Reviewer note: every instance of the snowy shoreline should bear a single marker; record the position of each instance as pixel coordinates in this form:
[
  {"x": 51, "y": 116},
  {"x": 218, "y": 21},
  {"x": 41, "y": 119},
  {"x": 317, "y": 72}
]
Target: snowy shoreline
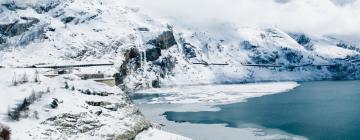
[{"x": 153, "y": 109}]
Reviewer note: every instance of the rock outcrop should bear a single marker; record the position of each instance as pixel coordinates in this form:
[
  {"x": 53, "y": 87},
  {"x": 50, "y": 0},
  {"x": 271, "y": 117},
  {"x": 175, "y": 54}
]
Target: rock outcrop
[
  {"x": 18, "y": 27},
  {"x": 164, "y": 40}
]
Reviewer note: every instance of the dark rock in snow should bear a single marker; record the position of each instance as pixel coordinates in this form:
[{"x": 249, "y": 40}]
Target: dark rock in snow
[
  {"x": 99, "y": 112},
  {"x": 89, "y": 92},
  {"x": 133, "y": 53},
  {"x": 343, "y": 70},
  {"x": 348, "y": 46},
  {"x": 155, "y": 84},
  {"x": 153, "y": 54},
  {"x": 2, "y": 40},
  {"x": 32, "y": 35},
  {"x": 90, "y": 18},
  {"x": 292, "y": 56},
  {"x": 17, "y": 28},
  {"x": 51, "y": 29},
  {"x": 13, "y": 6},
  {"x": 106, "y": 105},
  {"x": 55, "y": 103},
  {"x": 132, "y": 62},
  {"x": 260, "y": 57},
  {"x": 51, "y": 4},
  {"x": 67, "y": 19},
  {"x": 166, "y": 64},
  {"x": 119, "y": 78},
  {"x": 302, "y": 40},
  {"x": 143, "y": 29},
  {"x": 164, "y": 40},
  {"x": 247, "y": 45},
  {"x": 189, "y": 50}
]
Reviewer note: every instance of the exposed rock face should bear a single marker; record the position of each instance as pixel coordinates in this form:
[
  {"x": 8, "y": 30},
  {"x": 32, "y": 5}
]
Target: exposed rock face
[
  {"x": 155, "y": 84},
  {"x": 89, "y": 92},
  {"x": 166, "y": 64},
  {"x": 292, "y": 56},
  {"x": 348, "y": 46},
  {"x": 164, "y": 40},
  {"x": 248, "y": 46},
  {"x": 51, "y": 4},
  {"x": 153, "y": 54},
  {"x": 106, "y": 105},
  {"x": 302, "y": 40},
  {"x": 132, "y": 62},
  {"x": 69, "y": 125},
  {"x": 134, "y": 66},
  {"x": 55, "y": 103},
  {"x": 17, "y": 28},
  {"x": 12, "y": 6},
  {"x": 189, "y": 50},
  {"x": 73, "y": 124},
  {"x": 143, "y": 29},
  {"x": 260, "y": 57},
  {"x": 2, "y": 40},
  {"x": 342, "y": 69},
  {"x": 67, "y": 19}
]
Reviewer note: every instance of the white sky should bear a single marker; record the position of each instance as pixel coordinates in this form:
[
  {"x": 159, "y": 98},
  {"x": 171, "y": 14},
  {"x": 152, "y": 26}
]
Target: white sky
[{"x": 340, "y": 17}]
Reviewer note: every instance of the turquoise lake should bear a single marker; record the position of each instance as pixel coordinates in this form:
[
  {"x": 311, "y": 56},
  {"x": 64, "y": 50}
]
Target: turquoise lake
[{"x": 322, "y": 110}]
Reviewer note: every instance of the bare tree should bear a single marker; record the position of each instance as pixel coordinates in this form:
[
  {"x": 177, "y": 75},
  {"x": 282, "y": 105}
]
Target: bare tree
[
  {"x": 14, "y": 81},
  {"x": 37, "y": 78}
]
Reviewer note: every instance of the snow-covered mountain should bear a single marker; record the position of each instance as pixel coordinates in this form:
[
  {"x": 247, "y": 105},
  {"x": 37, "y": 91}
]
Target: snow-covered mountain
[
  {"x": 108, "y": 31},
  {"x": 150, "y": 52}
]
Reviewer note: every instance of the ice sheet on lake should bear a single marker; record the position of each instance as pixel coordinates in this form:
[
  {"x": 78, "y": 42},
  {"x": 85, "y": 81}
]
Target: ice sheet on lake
[
  {"x": 216, "y": 94},
  {"x": 208, "y": 131}
]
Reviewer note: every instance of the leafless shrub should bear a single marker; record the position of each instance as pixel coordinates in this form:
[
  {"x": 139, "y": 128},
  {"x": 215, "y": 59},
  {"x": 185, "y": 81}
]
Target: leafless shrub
[
  {"x": 48, "y": 90},
  {"x": 24, "y": 78},
  {"x": 36, "y": 115},
  {"x": 5, "y": 132},
  {"x": 66, "y": 85},
  {"x": 22, "y": 110}
]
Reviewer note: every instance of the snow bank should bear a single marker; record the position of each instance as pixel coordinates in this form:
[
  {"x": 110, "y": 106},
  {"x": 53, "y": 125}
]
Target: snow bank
[{"x": 156, "y": 134}]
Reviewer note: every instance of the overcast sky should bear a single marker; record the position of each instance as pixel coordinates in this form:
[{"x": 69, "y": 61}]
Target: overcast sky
[{"x": 311, "y": 16}]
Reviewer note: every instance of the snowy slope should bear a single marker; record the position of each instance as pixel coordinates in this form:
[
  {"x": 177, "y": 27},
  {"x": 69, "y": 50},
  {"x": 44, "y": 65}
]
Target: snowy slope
[{"x": 78, "y": 115}]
